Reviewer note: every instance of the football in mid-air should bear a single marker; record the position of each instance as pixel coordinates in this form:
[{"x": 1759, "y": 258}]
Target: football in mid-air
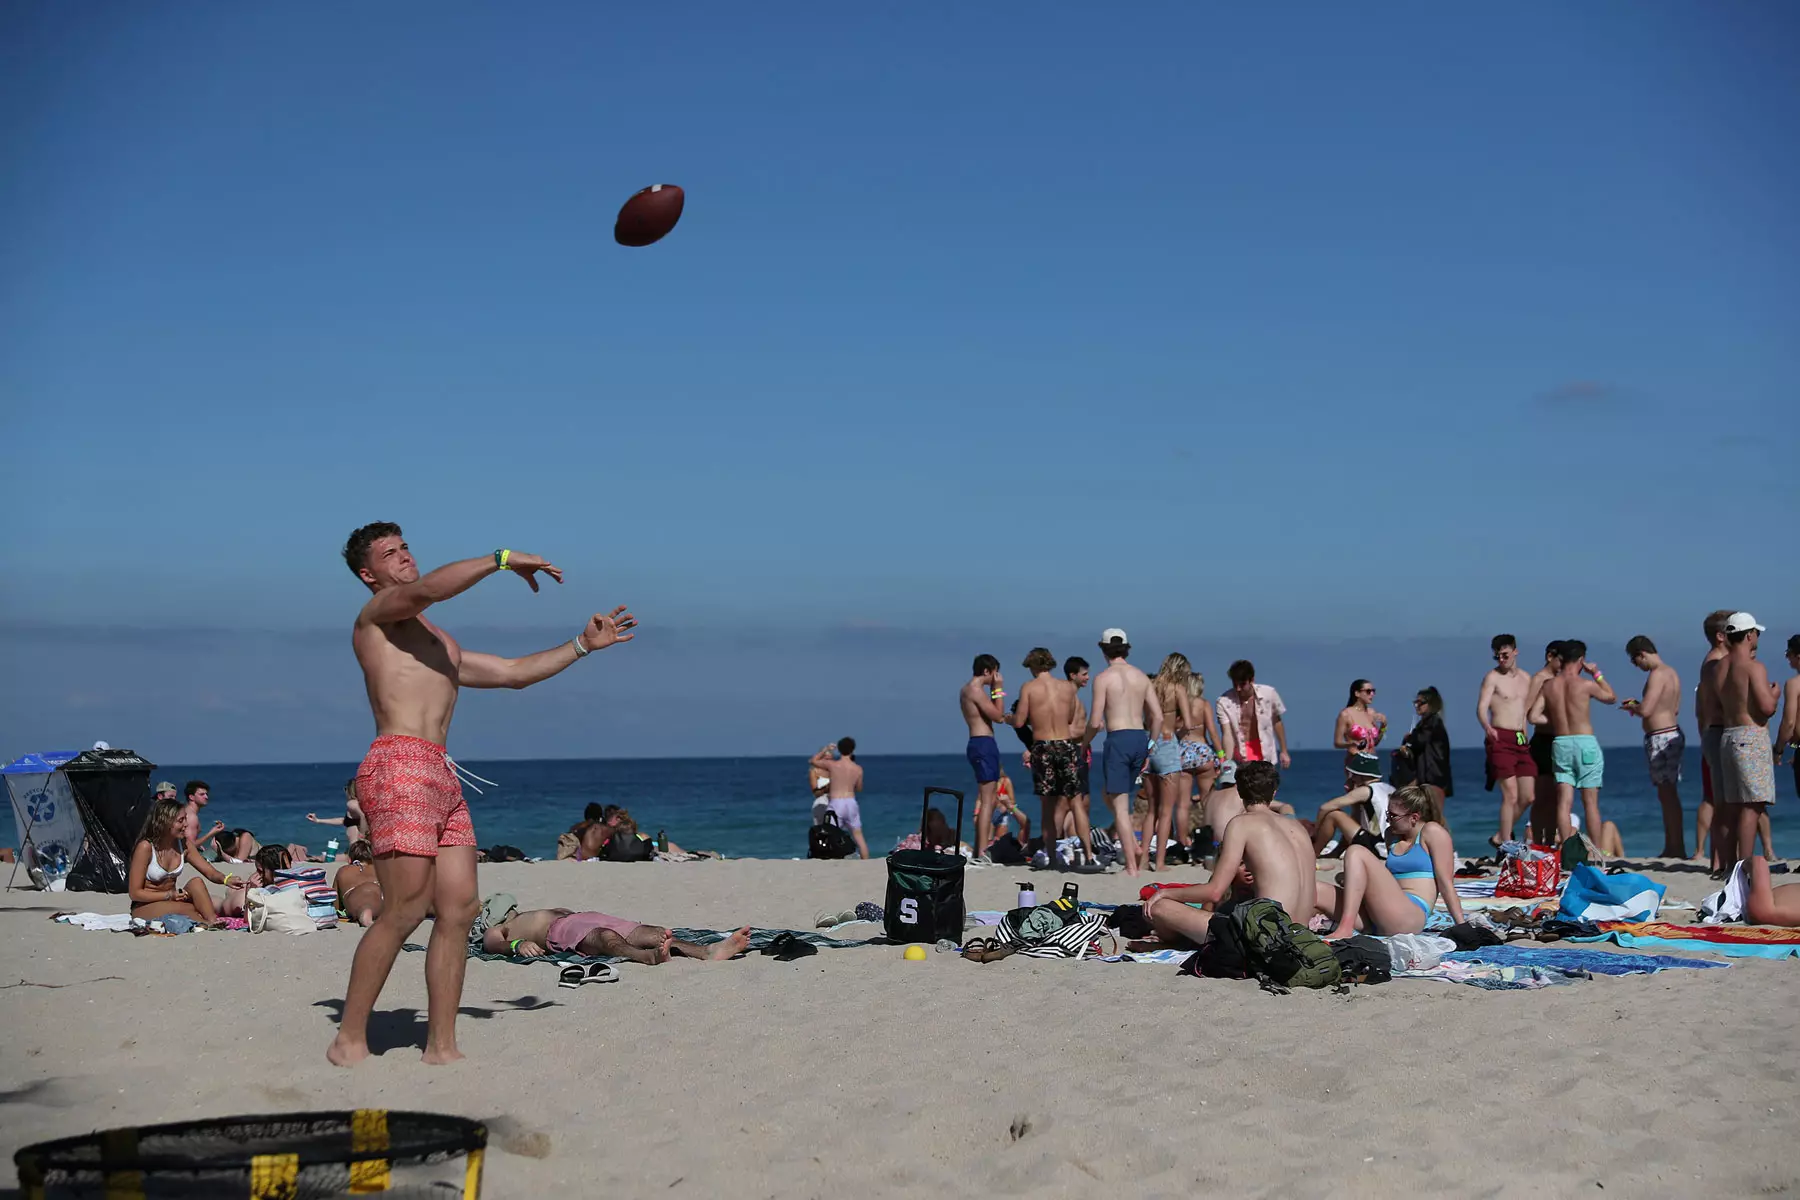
[{"x": 648, "y": 215}]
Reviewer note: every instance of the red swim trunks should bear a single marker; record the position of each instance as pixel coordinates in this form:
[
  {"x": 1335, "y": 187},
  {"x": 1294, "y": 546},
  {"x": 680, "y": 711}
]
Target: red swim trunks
[
  {"x": 413, "y": 800},
  {"x": 1509, "y": 755},
  {"x": 1251, "y": 751}
]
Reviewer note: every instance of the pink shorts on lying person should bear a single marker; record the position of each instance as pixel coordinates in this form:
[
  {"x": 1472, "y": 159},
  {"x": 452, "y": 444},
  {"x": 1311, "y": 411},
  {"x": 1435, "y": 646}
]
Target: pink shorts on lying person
[{"x": 565, "y": 933}]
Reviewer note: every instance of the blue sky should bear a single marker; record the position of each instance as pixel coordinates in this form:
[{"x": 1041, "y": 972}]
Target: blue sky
[{"x": 1338, "y": 326}]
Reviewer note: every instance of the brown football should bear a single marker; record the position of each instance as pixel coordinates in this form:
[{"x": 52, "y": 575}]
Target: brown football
[{"x": 648, "y": 215}]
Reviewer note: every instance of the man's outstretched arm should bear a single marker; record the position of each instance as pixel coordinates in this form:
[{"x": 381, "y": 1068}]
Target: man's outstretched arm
[
  {"x": 452, "y": 579},
  {"x": 492, "y": 671}
]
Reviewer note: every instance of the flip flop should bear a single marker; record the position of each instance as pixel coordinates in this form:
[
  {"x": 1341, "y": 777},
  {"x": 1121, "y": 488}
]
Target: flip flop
[
  {"x": 786, "y": 948},
  {"x": 976, "y": 949},
  {"x": 571, "y": 977},
  {"x": 600, "y": 973}
]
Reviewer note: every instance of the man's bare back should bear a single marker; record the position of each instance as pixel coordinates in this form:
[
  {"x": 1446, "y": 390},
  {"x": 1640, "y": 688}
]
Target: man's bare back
[
  {"x": 1503, "y": 694},
  {"x": 1746, "y": 697},
  {"x": 1120, "y": 695},
  {"x": 1566, "y": 695},
  {"x": 846, "y": 778},
  {"x": 1261, "y": 841},
  {"x": 1048, "y": 705}
]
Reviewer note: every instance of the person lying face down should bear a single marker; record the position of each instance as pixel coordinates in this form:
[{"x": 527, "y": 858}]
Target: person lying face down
[
  {"x": 1273, "y": 851},
  {"x": 536, "y": 931}
]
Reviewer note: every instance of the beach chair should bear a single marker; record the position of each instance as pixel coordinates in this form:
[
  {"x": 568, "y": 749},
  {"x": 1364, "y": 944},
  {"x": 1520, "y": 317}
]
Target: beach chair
[{"x": 925, "y": 887}]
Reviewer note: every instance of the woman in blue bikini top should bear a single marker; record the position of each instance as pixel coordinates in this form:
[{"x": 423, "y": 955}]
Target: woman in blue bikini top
[{"x": 1398, "y": 896}]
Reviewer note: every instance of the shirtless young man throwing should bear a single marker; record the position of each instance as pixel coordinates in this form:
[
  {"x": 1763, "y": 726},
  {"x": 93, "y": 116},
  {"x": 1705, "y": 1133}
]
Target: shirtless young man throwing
[
  {"x": 1745, "y": 782},
  {"x": 1575, "y": 753},
  {"x": 1274, "y": 849},
  {"x": 1660, "y": 712},
  {"x": 1049, "y": 705},
  {"x": 1501, "y": 710},
  {"x": 418, "y": 824},
  {"x": 1124, "y": 702}
]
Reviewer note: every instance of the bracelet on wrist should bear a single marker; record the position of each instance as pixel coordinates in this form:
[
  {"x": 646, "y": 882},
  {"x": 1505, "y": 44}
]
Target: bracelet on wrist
[
  {"x": 581, "y": 651},
  {"x": 501, "y": 558}
]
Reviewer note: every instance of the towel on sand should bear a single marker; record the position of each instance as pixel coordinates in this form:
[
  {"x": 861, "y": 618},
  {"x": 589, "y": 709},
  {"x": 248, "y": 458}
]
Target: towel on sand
[
  {"x": 1591, "y": 962},
  {"x": 1735, "y": 941},
  {"x": 700, "y": 937}
]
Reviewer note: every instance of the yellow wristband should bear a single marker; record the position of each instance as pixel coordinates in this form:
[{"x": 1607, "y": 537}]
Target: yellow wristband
[{"x": 501, "y": 557}]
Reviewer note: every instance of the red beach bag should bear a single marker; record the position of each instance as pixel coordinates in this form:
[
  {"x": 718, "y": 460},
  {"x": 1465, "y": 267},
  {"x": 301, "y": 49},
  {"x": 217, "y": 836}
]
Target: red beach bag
[{"x": 1537, "y": 873}]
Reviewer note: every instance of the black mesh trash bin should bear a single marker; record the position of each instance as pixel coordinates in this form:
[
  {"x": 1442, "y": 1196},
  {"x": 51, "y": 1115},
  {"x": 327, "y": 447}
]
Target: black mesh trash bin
[
  {"x": 925, "y": 887},
  {"x": 287, "y": 1156}
]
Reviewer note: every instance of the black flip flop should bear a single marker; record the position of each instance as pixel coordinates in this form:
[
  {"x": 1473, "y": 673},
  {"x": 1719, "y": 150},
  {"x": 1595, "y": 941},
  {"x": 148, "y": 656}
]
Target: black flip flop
[{"x": 786, "y": 948}]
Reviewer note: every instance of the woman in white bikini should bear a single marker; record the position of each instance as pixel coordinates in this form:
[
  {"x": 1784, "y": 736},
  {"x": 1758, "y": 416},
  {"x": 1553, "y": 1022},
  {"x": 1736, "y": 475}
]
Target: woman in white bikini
[{"x": 156, "y": 863}]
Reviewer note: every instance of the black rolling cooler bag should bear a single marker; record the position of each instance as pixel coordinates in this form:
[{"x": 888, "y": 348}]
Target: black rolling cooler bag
[{"x": 925, "y": 887}]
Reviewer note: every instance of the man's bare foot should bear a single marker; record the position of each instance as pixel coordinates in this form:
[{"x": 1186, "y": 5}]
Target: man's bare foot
[
  {"x": 344, "y": 1053},
  {"x": 731, "y": 947},
  {"x": 434, "y": 1057},
  {"x": 665, "y": 949},
  {"x": 1337, "y": 935}
]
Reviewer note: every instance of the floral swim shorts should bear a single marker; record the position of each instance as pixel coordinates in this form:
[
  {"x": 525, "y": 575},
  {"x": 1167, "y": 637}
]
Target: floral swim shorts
[{"x": 411, "y": 797}]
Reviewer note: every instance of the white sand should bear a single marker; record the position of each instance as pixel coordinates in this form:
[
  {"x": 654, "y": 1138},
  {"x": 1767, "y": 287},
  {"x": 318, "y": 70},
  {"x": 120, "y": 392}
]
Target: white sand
[{"x": 856, "y": 1073}]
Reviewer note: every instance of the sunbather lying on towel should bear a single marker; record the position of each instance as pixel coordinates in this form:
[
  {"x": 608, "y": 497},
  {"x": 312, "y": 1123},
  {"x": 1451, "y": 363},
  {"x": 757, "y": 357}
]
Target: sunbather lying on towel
[
  {"x": 532, "y": 933},
  {"x": 1768, "y": 905}
]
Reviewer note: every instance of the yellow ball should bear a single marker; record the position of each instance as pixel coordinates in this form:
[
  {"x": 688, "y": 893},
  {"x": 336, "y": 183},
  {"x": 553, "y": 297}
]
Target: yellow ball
[{"x": 915, "y": 954}]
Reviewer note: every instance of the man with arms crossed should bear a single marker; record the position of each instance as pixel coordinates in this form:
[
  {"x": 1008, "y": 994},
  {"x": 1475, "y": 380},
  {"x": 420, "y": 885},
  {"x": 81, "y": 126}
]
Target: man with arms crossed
[
  {"x": 418, "y": 824},
  {"x": 1745, "y": 783},
  {"x": 1660, "y": 711},
  {"x": 1563, "y": 701},
  {"x": 1048, "y": 706},
  {"x": 1124, "y": 703},
  {"x": 1275, "y": 850},
  {"x": 980, "y": 700},
  {"x": 1501, "y": 710}
]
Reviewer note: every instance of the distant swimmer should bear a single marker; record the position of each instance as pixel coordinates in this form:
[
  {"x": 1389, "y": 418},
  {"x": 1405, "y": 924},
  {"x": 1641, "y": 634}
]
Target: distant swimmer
[
  {"x": 1500, "y": 707},
  {"x": 1124, "y": 704},
  {"x": 980, "y": 702},
  {"x": 418, "y": 824},
  {"x": 1660, "y": 713},
  {"x": 1575, "y": 753}
]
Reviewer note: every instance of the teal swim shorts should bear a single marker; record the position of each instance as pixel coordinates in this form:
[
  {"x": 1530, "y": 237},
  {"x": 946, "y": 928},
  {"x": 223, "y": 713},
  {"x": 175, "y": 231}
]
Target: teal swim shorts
[{"x": 1578, "y": 760}]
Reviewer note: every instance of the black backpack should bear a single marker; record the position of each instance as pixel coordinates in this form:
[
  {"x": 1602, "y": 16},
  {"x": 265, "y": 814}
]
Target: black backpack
[
  {"x": 828, "y": 839},
  {"x": 925, "y": 887},
  {"x": 629, "y": 847},
  {"x": 1363, "y": 959}
]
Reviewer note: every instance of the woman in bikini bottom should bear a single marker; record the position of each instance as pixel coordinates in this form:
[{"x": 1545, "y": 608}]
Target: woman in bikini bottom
[{"x": 1398, "y": 896}]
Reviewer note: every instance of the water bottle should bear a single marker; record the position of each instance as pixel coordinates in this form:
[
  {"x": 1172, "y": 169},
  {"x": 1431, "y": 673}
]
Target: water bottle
[
  {"x": 331, "y": 848},
  {"x": 1072, "y": 893},
  {"x": 662, "y": 842},
  {"x": 1027, "y": 896}
]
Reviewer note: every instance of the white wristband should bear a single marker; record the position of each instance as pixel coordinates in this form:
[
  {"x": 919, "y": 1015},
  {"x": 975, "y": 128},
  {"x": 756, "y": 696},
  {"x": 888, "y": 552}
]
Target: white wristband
[{"x": 580, "y": 650}]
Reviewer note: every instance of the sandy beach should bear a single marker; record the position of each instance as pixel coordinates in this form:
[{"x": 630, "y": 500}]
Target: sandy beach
[{"x": 856, "y": 1072}]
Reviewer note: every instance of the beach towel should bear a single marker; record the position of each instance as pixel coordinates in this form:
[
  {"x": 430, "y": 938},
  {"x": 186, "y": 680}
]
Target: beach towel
[
  {"x": 110, "y": 922},
  {"x": 700, "y": 937},
  {"x": 1593, "y": 895},
  {"x": 1581, "y": 962},
  {"x": 1738, "y": 941},
  {"x": 1492, "y": 978}
]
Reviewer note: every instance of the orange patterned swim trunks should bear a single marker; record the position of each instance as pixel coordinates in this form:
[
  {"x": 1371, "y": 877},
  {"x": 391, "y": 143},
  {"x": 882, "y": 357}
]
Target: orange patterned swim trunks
[{"x": 411, "y": 797}]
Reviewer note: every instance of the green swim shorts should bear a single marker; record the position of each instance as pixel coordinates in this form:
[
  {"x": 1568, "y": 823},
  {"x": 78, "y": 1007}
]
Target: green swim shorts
[{"x": 1578, "y": 760}]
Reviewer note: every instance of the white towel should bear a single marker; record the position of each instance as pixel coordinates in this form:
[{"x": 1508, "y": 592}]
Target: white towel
[
  {"x": 112, "y": 923},
  {"x": 1727, "y": 904}
]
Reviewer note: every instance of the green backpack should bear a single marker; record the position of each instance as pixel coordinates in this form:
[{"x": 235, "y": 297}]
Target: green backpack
[{"x": 1282, "y": 950}]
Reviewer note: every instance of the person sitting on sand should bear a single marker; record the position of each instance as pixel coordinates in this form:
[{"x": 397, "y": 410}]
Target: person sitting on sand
[
  {"x": 1271, "y": 850},
  {"x": 266, "y": 867},
  {"x": 1360, "y": 811},
  {"x": 537, "y": 931},
  {"x": 358, "y": 890},
  {"x": 156, "y": 862},
  {"x": 1398, "y": 896}
]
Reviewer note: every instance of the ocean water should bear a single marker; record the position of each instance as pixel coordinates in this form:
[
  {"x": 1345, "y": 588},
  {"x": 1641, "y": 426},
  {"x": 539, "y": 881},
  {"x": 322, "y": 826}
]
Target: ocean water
[{"x": 760, "y": 807}]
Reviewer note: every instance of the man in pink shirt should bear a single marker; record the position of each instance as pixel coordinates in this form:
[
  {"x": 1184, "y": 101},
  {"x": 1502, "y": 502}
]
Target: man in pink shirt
[{"x": 1250, "y": 718}]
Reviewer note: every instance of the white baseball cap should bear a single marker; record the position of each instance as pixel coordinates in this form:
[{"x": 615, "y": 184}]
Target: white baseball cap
[
  {"x": 1117, "y": 635},
  {"x": 1743, "y": 623}
]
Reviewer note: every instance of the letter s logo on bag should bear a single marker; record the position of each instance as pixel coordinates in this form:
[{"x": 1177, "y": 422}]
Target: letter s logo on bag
[{"x": 909, "y": 910}]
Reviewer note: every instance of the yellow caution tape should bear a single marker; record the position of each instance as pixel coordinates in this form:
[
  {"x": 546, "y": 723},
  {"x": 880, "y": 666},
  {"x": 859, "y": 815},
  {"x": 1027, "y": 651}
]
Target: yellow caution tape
[
  {"x": 274, "y": 1177},
  {"x": 369, "y": 1132}
]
